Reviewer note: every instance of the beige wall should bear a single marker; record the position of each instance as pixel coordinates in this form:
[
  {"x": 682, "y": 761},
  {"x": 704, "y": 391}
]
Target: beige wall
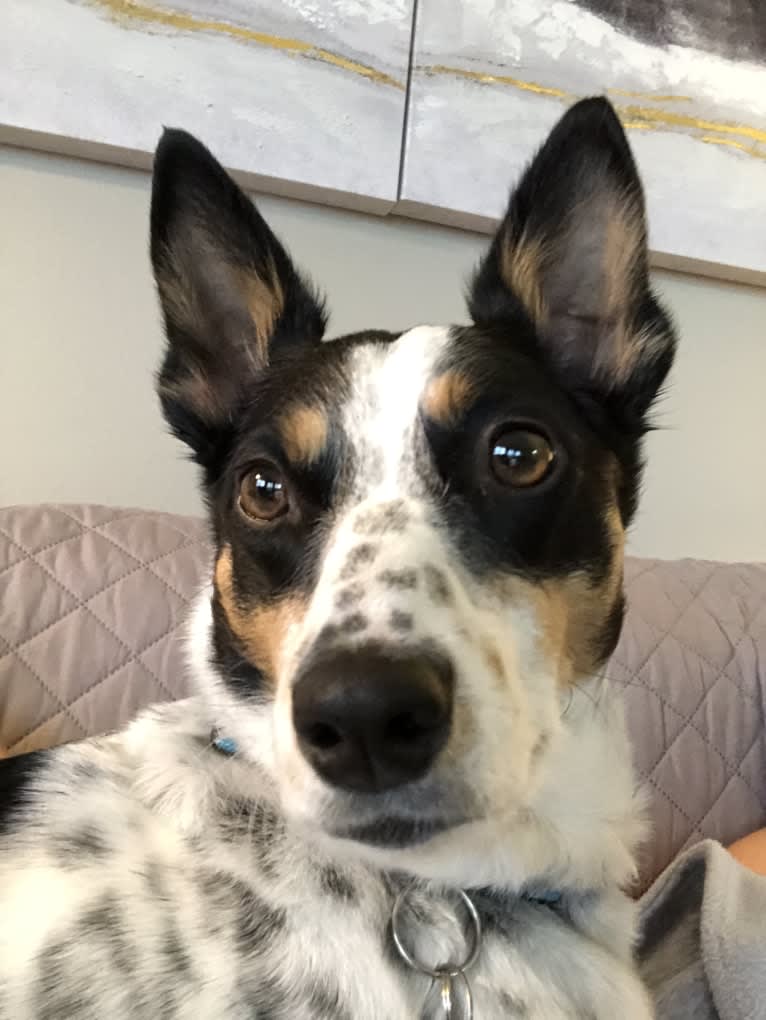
[{"x": 80, "y": 338}]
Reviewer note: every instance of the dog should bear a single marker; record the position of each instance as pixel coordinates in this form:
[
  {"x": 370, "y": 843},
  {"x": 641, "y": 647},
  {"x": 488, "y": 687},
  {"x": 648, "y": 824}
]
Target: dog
[{"x": 404, "y": 787}]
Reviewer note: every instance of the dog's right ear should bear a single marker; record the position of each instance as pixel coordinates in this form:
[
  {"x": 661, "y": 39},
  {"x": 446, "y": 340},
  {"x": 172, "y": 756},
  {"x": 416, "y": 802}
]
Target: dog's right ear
[{"x": 229, "y": 293}]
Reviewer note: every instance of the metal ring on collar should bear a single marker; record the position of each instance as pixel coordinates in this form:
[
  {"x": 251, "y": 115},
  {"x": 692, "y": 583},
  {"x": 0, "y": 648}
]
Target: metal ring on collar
[{"x": 447, "y": 969}]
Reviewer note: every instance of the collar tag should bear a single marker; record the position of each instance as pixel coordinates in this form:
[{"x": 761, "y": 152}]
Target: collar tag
[
  {"x": 449, "y": 997},
  {"x": 224, "y": 745}
]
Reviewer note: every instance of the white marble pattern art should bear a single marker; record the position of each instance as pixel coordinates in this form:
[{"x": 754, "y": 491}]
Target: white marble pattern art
[
  {"x": 688, "y": 78},
  {"x": 306, "y": 97}
]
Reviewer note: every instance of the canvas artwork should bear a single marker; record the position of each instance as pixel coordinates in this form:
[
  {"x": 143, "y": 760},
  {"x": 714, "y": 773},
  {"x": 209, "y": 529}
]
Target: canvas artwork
[
  {"x": 304, "y": 97},
  {"x": 688, "y": 78}
]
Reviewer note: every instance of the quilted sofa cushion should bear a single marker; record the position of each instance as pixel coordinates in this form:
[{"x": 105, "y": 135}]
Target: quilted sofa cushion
[{"x": 93, "y": 601}]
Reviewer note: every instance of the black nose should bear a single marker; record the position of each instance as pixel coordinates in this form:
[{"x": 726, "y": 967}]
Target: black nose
[{"x": 371, "y": 721}]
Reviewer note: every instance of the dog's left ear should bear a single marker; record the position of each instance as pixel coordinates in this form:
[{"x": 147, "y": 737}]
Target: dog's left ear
[
  {"x": 571, "y": 254},
  {"x": 230, "y": 294}
]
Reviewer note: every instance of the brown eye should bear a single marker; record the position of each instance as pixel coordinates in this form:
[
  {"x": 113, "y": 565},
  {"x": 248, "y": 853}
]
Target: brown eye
[
  {"x": 520, "y": 457},
  {"x": 263, "y": 493}
]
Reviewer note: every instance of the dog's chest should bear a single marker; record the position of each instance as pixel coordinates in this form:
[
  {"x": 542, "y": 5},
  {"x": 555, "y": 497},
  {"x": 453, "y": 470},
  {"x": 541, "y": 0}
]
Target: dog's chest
[
  {"x": 116, "y": 905},
  {"x": 239, "y": 928}
]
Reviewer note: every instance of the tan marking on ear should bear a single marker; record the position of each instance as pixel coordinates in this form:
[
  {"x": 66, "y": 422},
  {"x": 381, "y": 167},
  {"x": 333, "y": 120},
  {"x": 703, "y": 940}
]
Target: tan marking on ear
[
  {"x": 177, "y": 297},
  {"x": 623, "y": 237},
  {"x": 261, "y": 630},
  {"x": 185, "y": 297},
  {"x": 304, "y": 433},
  {"x": 265, "y": 302},
  {"x": 617, "y": 349},
  {"x": 521, "y": 268},
  {"x": 195, "y": 390},
  {"x": 447, "y": 397}
]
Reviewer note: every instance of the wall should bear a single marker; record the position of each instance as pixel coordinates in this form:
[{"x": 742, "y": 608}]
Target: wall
[{"x": 80, "y": 338}]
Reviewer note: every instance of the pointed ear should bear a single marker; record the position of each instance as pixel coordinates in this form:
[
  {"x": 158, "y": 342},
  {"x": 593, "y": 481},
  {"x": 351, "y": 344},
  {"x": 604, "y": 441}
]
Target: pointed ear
[
  {"x": 571, "y": 253},
  {"x": 229, "y": 293}
]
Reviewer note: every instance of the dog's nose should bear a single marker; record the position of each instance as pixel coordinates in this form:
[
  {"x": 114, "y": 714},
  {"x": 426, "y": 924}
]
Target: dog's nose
[{"x": 370, "y": 721}]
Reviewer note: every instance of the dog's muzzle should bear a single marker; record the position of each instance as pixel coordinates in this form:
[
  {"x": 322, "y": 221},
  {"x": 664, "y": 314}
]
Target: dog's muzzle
[{"x": 373, "y": 720}]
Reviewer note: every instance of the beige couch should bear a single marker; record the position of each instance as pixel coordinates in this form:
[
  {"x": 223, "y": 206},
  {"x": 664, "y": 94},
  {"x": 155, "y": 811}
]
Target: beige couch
[{"x": 93, "y": 599}]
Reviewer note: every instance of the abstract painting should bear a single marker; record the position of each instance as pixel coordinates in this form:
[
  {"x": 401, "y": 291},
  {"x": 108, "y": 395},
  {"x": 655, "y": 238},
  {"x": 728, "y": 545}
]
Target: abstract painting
[
  {"x": 688, "y": 77},
  {"x": 301, "y": 97}
]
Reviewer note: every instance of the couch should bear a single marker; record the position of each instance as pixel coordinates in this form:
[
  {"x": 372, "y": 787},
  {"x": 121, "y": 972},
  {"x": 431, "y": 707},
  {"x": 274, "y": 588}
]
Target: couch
[{"x": 92, "y": 607}]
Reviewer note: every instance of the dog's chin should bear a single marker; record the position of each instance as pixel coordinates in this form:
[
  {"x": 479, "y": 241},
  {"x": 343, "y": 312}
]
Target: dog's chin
[
  {"x": 407, "y": 818},
  {"x": 393, "y": 832}
]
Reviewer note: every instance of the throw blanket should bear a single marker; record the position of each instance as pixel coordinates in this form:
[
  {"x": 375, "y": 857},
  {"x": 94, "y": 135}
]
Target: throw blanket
[{"x": 702, "y": 948}]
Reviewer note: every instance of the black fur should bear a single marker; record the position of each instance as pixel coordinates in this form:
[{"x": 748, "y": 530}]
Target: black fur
[{"x": 17, "y": 781}]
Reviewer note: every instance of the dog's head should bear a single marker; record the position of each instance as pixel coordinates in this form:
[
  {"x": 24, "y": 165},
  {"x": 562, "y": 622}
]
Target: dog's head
[{"x": 419, "y": 535}]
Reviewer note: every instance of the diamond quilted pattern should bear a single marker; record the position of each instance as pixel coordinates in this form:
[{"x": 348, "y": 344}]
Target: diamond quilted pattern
[
  {"x": 27, "y": 704},
  {"x": 45, "y": 528},
  {"x": 10, "y": 554},
  {"x": 44, "y": 602},
  {"x": 84, "y": 652},
  {"x": 126, "y": 690},
  {"x": 142, "y": 543},
  {"x": 751, "y": 768},
  {"x": 165, "y": 660},
  {"x": 154, "y": 607},
  {"x": 91, "y": 603},
  {"x": 93, "y": 599},
  {"x": 695, "y": 695},
  {"x": 176, "y": 569},
  {"x": 85, "y": 575}
]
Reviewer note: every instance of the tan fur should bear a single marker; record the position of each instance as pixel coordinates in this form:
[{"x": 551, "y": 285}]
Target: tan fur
[
  {"x": 177, "y": 297},
  {"x": 493, "y": 659},
  {"x": 574, "y": 607},
  {"x": 304, "y": 433},
  {"x": 569, "y": 611},
  {"x": 261, "y": 629},
  {"x": 521, "y": 267},
  {"x": 195, "y": 389},
  {"x": 447, "y": 397},
  {"x": 618, "y": 230},
  {"x": 265, "y": 301},
  {"x": 261, "y": 296},
  {"x": 615, "y": 356}
]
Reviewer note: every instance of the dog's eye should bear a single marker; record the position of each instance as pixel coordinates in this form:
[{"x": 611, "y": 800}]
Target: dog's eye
[
  {"x": 520, "y": 457},
  {"x": 263, "y": 493}
]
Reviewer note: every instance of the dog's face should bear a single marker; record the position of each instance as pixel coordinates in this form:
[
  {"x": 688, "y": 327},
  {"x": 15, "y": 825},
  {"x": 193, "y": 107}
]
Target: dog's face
[{"x": 419, "y": 535}]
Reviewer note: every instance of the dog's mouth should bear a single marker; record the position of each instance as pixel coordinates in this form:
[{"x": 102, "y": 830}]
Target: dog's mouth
[{"x": 394, "y": 832}]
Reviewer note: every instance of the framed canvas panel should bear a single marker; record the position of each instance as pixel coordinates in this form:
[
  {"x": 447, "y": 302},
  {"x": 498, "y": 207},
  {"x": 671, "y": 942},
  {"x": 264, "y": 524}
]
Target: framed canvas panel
[
  {"x": 304, "y": 99},
  {"x": 688, "y": 78}
]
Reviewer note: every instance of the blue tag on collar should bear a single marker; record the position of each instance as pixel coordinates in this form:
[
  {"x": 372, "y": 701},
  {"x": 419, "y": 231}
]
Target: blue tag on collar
[{"x": 225, "y": 745}]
